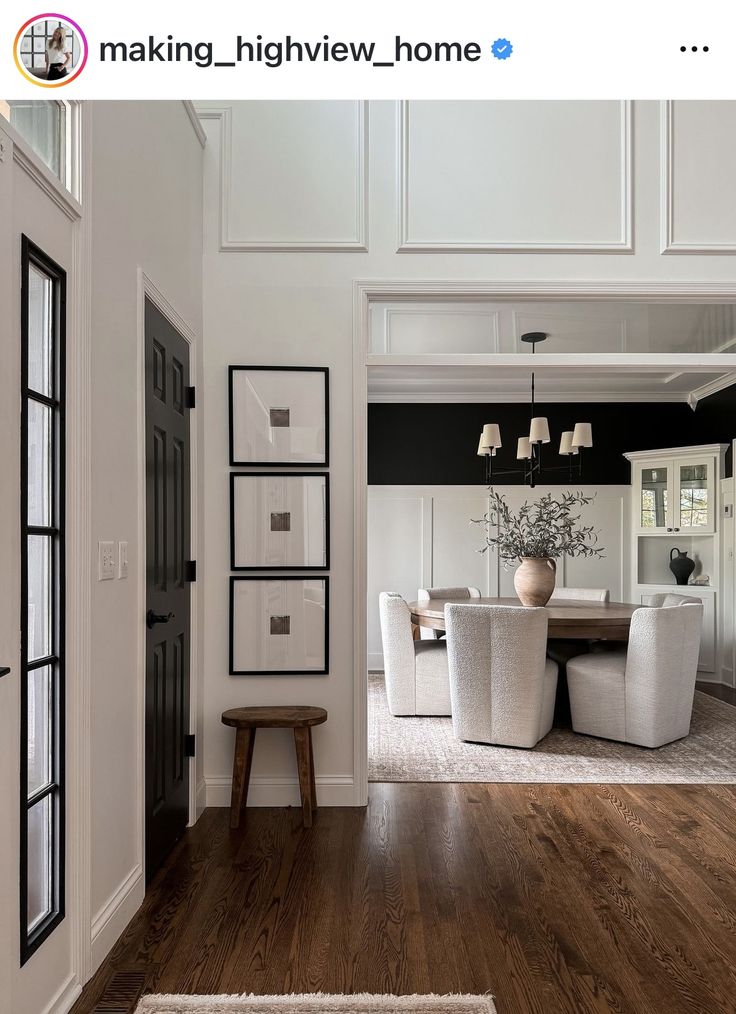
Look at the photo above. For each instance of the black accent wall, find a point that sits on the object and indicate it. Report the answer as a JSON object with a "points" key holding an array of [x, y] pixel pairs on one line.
{"points": [[423, 444]]}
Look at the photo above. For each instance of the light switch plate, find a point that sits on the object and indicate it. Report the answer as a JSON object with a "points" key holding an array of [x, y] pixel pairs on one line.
{"points": [[105, 561], [122, 560]]}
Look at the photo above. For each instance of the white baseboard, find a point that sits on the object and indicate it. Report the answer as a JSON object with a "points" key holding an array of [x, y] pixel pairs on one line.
{"points": [[65, 998], [375, 661], [115, 914], [332, 790], [200, 799]]}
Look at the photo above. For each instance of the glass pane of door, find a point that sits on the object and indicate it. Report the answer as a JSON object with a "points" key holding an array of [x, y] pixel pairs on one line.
{"points": [[39, 746], [39, 597], [39, 862], [39, 462], [654, 505], [40, 331], [694, 495]]}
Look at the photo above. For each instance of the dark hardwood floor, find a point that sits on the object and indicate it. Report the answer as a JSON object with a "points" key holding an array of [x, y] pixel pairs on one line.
{"points": [[556, 898]]}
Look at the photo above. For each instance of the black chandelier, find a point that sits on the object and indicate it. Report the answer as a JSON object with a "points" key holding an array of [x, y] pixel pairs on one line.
{"points": [[529, 449]]}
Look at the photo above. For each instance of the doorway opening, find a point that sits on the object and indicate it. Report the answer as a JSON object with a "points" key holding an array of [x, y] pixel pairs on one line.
{"points": [[432, 361]]}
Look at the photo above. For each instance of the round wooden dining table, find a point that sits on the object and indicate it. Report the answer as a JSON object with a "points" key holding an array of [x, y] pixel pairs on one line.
{"points": [[569, 619]]}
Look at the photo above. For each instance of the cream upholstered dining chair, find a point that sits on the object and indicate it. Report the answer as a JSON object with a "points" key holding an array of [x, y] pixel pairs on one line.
{"points": [[424, 594], [663, 600], [582, 594], [560, 650], [502, 688], [417, 679], [644, 694]]}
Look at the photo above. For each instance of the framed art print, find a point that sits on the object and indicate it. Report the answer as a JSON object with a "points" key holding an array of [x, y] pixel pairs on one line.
{"points": [[279, 521], [279, 626], [279, 415]]}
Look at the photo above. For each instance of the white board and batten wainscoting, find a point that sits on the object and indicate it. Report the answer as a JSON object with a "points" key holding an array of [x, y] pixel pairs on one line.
{"points": [[422, 536]]}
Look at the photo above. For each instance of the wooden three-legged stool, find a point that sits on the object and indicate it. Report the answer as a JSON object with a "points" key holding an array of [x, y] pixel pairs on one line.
{"points": [[246, 721]]}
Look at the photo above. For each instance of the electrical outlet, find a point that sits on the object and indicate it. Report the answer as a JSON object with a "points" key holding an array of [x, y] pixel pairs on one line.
{"points": [[105, 561], [122, 560]]}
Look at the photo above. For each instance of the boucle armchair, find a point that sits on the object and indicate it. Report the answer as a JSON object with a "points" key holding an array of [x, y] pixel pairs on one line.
{"points": [[502, 688], [643, 695], [665, 600], [417, 679], [424, 594]]}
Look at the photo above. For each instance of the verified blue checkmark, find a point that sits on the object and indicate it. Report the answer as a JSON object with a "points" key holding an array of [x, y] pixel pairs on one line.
{"points": [[502, 49]]}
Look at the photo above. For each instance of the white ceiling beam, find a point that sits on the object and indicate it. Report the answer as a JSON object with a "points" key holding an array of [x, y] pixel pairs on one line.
{"points": [[621, 362], [698, 393]]}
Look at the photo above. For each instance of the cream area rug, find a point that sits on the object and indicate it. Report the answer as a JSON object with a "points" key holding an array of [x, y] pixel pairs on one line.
{"points": [[425, 750], [317, 1003]]}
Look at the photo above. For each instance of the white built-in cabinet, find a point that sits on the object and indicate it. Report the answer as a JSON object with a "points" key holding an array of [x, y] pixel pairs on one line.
{"points": [[675, 491], [674, 505]]}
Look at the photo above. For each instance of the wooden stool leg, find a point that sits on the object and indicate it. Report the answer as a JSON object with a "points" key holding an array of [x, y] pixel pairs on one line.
{"points": [[244, 743], [301, 742], [312, 783]]}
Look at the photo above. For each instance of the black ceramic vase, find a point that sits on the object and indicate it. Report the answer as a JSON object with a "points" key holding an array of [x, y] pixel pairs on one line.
{"points": [[681, 566]]}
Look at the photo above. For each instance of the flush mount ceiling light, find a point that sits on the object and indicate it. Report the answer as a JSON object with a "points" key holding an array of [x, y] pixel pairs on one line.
{"points": [[529, 448]]}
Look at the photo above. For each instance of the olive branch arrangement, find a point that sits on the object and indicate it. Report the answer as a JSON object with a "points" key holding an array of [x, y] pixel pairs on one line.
{"points": [[547, 528]]}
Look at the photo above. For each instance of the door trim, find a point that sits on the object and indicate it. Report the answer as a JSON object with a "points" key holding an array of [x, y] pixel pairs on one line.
{"points": [[147, 289]]}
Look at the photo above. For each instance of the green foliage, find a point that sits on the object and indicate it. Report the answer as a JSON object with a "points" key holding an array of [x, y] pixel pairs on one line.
{"points": [[548, 527]]}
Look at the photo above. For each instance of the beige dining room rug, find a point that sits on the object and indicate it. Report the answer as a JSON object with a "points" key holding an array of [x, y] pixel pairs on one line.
{"points": [[317, 1003], [422, 749]]}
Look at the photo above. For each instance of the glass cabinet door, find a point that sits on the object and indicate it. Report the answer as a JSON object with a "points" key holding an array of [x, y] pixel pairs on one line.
{"points": [[654, 498], [694, 494]]}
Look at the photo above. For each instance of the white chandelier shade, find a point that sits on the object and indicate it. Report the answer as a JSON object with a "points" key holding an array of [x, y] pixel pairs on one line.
{"points": [[566, 445], [539, 430], [491, 435], [523, 449], [582, 435]]}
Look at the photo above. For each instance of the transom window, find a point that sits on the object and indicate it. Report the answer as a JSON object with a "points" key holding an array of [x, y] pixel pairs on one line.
{"points": [[43, 312]]}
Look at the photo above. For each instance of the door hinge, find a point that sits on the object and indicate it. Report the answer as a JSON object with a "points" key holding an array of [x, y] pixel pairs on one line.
{"points": [[190, 570], [189, 397], [189, 745]]}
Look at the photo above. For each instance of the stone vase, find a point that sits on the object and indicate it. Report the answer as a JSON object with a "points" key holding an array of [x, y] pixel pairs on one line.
{"points": [[534, 580]]}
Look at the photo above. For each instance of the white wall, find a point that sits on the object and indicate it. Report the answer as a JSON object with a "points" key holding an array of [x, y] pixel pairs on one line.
{"points": [[146, 213], [422, 537], [278, 290]]}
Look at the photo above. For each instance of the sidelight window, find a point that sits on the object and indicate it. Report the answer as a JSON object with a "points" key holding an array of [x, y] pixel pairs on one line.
{"points": [[43, 314]]}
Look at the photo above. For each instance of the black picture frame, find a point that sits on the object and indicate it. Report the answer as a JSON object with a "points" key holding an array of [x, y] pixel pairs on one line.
{"points": [[234, 580], [239, 462], [301, 568]]}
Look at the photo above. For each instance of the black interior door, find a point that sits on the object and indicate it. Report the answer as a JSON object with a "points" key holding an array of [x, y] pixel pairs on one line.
{"points": [[168, 594]]}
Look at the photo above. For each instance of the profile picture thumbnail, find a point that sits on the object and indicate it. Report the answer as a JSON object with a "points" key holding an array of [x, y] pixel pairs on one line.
{"points": [[50, 50]]}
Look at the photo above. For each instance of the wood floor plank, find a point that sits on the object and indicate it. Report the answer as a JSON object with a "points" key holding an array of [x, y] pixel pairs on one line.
{"points": [[558, 899]]}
